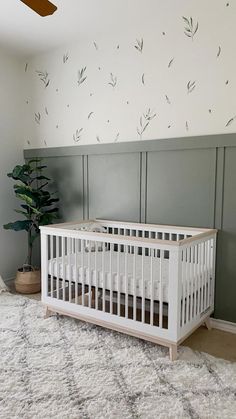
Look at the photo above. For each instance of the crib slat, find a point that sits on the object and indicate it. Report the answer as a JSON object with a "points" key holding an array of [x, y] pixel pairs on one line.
{"points": [[195, 282], [205, 275], [126, 281], [202, 276], [82, 269], [52, 265], [135, 285], [183, 285], [89, 273], [191, 289], [208, 272], [63, 268], [198, 279], [69, 266], [151, 288], [161, 289], [57, 265], [143, 287], [96, 276], [103, 278], [118, 276], [111, 279], [188, 284], [76, 270]]}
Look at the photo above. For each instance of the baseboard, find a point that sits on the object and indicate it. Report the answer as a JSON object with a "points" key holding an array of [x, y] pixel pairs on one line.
{"points": [[223, 325]]}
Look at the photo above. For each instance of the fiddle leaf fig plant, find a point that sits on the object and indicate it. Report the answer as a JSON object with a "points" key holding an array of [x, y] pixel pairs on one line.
{"points": [[38, 205]]}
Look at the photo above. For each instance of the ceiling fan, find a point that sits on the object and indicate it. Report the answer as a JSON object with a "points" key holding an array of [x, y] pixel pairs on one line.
{"points": [[42, 7]]}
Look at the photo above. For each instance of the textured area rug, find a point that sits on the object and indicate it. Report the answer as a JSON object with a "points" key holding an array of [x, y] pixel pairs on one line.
{"points": [[68, 369]]}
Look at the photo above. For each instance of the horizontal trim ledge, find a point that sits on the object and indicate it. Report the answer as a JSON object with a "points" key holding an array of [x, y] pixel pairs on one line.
{"points": [[204, 141], [223, 325]]}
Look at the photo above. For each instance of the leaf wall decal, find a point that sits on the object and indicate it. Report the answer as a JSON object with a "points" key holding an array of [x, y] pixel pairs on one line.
{"points": [[116, 137], [168, 100], [170, 62], [81, 76], [144, 121], [37, 117], [44, 77], [191, 86], [113, 81], [219, 52], [230, 121], [139, 45], [190, 29], [65, 58], [77, 135]]}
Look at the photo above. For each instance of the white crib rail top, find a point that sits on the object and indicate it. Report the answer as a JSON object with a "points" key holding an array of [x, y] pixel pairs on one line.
{"points": [[72, 229]]}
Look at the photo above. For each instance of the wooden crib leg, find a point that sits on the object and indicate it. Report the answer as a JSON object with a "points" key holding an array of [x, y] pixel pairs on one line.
{"points": [[173, 352], [48, 313], [208, 323]]}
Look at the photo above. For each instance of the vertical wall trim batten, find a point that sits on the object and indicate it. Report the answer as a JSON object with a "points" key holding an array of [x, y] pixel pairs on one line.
{"points": [[85, 187], [219, 187], [143, 187]]}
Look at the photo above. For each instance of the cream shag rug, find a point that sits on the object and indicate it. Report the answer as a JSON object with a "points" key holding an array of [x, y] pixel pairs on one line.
{"points": [[66, 369]]}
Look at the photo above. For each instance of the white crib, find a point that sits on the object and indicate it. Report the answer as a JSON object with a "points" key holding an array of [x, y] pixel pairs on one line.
{"points": [[154, 282]]}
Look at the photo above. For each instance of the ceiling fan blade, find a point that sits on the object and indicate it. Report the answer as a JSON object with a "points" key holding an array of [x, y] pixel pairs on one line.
{"points": [[42, 7]]}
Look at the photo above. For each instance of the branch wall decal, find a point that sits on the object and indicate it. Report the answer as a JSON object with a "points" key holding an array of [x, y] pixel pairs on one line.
{"points": [[190, 29], [139, 45], [44, 77], [81, 76]]}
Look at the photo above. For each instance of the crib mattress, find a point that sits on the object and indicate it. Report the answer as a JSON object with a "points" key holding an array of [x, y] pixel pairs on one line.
{"points": [[108, 278]]}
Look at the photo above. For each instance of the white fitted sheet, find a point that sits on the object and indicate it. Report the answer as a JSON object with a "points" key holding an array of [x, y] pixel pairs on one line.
{"points": [[108, 278], [103, 278]]}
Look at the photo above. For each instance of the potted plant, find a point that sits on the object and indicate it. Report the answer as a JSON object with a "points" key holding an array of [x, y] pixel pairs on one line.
{"points": [[38, 208]]}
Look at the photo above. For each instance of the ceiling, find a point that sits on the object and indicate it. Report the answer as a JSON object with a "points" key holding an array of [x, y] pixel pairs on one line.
{"points": [[24, 32]]}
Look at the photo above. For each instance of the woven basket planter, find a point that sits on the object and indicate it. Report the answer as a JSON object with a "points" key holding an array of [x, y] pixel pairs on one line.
{"points": [[28, 282]]}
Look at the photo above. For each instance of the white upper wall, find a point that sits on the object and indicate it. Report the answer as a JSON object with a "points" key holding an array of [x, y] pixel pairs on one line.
{"points": [[12, 244], [187, 83]]}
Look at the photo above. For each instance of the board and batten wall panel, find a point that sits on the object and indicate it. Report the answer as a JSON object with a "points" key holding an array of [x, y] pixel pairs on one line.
{"points": [[181, 187], [185, 181], [67, 175], [226, 257], [114, 186]]}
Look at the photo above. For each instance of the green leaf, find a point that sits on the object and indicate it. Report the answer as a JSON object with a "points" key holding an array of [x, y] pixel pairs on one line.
{"points": [[36, 160], [50, 202], [22, 212], [41, 177], [26, 198], [41, 167], [52, 210], [46, 219], [18, 225]]}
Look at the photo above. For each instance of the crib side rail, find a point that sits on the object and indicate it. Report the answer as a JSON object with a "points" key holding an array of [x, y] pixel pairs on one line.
{"points": [[124, 277], [109, 238], [196, 284], [168, 229]]}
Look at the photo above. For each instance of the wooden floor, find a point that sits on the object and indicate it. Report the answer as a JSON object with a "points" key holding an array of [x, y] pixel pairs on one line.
{"points": [[215, 342]]}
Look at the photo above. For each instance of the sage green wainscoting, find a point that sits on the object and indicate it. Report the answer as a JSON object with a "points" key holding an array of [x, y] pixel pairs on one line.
{"points": [[181, 181]]}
